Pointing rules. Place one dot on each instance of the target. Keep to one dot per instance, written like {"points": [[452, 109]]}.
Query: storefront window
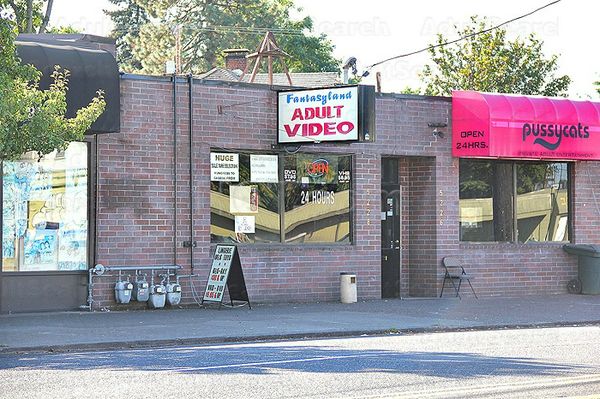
{"points": [[248, 190], [317, 198], [542, 201], [490, 191], [45, 211], [244, 208]]}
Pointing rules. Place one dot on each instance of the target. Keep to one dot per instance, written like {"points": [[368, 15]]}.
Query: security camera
{"points": [[350, 63], [438, 134]]}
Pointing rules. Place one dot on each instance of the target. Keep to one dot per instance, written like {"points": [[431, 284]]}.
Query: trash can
{"points": [[348, 293], [588, 261]]}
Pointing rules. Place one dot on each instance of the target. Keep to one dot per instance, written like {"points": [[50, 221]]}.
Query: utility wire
{"points": [[228, 28], [461, 38]]}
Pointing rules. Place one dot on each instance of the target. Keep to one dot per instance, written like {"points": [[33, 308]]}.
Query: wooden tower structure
{"points": [[270, 50]]}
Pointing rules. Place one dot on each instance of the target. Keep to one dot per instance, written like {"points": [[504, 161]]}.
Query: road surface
{"points": [[542, 363]]}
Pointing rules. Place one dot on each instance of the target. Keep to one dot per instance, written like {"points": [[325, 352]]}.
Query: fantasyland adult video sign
{"points": [[318, 115]]}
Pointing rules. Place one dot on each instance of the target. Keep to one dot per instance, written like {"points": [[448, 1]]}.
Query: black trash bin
{"points": [[588, 257]]}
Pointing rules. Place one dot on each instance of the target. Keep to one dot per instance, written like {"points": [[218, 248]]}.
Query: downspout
{"points": [[190, 137], [92, 191], [175, 168], [96, 191]]}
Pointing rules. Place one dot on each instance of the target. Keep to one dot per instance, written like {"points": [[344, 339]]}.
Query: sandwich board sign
{"points": [[226, 271]]}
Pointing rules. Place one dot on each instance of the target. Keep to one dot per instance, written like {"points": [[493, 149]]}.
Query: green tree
{"points": [[146, 37], [490, 62], [128, 19], [32, 119], [597, 86], [63, 30], [31, 16], [410, 90]]}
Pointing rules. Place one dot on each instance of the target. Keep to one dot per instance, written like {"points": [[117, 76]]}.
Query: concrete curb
{"points": [[124, 345]]}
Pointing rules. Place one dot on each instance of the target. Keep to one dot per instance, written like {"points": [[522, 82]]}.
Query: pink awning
{"points": [[509, 126]]}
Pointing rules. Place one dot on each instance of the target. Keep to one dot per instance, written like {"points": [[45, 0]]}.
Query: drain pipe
{"points": [[191, 187], [191, 173], [94, 255], [175, 168]]}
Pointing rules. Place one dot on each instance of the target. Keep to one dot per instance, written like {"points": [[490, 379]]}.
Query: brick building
{"points": [[136, 194], [406, 204]]}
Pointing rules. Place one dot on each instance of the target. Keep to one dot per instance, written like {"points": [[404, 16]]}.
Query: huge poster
{"points": [[224, 166]]}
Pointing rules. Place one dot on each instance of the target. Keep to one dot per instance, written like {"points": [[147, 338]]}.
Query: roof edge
{"points": [[210, 82]]}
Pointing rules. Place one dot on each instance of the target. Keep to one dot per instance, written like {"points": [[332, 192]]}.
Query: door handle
{"points": [[384, 257]]}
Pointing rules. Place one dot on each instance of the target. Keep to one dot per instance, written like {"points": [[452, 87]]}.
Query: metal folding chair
{"points": [[455, 271]]}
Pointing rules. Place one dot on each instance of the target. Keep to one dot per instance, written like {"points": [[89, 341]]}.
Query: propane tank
{"points": [[173, 294], [123, 291], [141, 290], [157, 296]]}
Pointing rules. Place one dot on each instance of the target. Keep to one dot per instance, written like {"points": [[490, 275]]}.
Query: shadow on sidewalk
{"points": [[244, 359]]}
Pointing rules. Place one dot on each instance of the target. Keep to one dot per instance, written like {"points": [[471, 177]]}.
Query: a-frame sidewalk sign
{"points": [[226, 270]]}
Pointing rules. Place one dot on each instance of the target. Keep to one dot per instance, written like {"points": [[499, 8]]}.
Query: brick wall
{"points": [[422, 234], [136, 197]]}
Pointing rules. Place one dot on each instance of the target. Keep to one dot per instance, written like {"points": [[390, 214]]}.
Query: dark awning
{"points": [[90, 69]]}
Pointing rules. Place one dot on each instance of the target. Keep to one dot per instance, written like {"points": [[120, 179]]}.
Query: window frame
{"points": [[281, 199], [515, 231], [91, 144]]}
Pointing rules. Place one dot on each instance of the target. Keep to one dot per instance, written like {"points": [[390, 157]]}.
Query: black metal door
{"points": [[390, 240]]}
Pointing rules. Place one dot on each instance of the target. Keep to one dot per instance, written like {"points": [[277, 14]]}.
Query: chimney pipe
{"points": [[236, 59]]}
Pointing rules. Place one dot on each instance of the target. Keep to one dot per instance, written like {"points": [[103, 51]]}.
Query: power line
{"points": [[229, 28], [462, 37]]}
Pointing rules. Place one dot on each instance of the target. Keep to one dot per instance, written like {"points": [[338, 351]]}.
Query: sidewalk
{"points": [[100, 330]]}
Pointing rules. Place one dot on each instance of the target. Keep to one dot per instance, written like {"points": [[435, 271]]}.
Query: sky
{"points": [[377, 29]]}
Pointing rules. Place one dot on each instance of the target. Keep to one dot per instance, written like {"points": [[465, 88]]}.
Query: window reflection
{"points": [[224, 208], [45, 224], [314, 192], [476, 201], [542, 202], [488, 197], [317, 198]]}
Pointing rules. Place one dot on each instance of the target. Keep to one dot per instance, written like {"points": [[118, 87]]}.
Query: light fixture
{"points": [[437, 124], [437, 133]]}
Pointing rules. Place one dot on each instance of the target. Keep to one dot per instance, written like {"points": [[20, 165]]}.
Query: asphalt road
{"points": [[551, 362]]}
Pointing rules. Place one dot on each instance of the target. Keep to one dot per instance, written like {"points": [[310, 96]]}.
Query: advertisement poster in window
{"points": [[243, 199], [245, 224], [224, 167], [72, 250], [263, 169], [40, 250]]}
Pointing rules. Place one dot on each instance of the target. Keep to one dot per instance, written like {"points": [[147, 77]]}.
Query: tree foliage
{"points": [[32, 119], [146, 33], [490, 62], [128, 18], [31, 16]]}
